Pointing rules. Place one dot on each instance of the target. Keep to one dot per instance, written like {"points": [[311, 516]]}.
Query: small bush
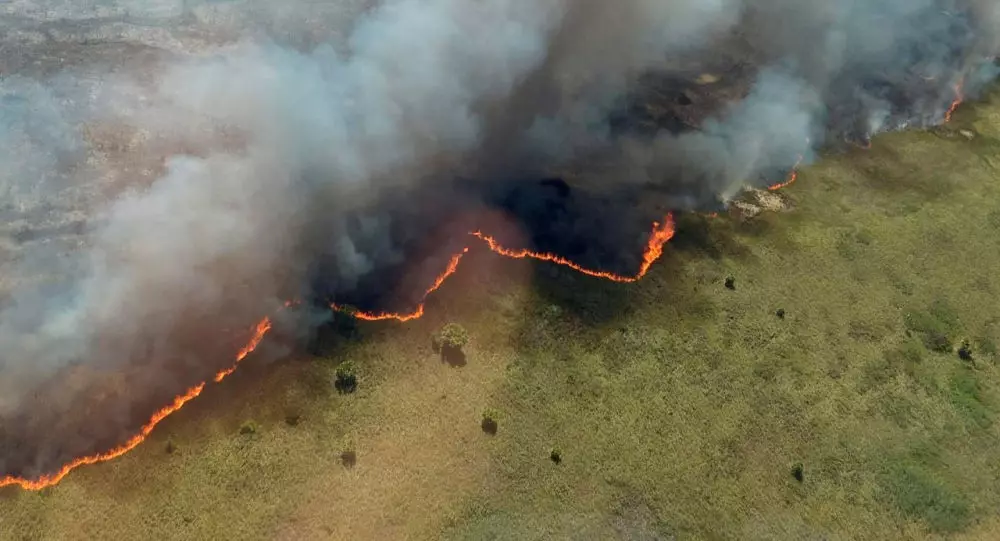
{"points": [[453, 336], [248, 427], [731, 283], [348, 459], [780, 313], [449, 342], [555, 455], [346, 380], [965, 351], [490, 421], [798, 472]]}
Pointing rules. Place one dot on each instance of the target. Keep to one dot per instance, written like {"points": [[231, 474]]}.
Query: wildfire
{"points": [[259, 331], [959, 97], [419, 311], [133, 442], [661, 234], [48, 480], [792, 177], [654, 249]]}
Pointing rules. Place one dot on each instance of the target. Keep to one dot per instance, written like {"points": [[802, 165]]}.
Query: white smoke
{"points": [[172, 168]]}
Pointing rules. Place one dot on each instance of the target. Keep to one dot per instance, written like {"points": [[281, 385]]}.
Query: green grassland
{"points": [[680, 408]]}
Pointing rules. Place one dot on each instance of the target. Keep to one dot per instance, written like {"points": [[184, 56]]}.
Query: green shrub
{"points": [[965, 351], [919, 494], [346, 380], [966, 394], [490, 422], [798, 472], [453, 336], [555, 455], [248, 427]]}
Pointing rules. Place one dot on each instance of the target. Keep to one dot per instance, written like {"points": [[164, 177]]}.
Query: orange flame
{"points": [[133, 442], [419, 311], [48, 480], [792, 177], [661, 234], [259, 331], [959, 97]]}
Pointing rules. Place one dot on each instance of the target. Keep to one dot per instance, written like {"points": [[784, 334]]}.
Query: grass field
{"points": [[680, 408]]}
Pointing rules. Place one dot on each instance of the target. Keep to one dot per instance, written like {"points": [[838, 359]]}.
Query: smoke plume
{"points": [[176, 170]]}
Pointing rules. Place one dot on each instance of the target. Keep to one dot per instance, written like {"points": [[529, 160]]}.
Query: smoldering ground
{"points": [[176, 170]]}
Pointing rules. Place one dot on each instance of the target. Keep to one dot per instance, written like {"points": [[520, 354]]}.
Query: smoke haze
{"points": [[175, 170]]}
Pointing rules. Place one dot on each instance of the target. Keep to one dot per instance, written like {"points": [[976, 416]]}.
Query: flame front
{"points": [[50, 479], [654, 249], [419, 311], [259, 331], [661, 234]]}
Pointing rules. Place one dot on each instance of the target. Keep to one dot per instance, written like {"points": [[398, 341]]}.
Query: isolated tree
{"points": [[453, 336], [449, 341]]}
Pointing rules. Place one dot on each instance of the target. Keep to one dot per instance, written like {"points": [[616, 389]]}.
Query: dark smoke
{"points": [[174, 170]]}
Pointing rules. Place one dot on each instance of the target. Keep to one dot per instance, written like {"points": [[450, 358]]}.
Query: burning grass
{"points": [[689, 398]]}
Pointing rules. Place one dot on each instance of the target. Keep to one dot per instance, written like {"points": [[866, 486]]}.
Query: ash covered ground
{"points": [[176, 170]]}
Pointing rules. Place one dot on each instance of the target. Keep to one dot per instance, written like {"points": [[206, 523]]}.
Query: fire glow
{"points": [[661, 234], [959, 97], [48, 480], [419, 311]]}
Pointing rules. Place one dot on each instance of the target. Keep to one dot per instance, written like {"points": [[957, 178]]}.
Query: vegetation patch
{"points": [[967, 396], [490, 422], [937, 326], [919, 494], [346, 377], [450, 341]]}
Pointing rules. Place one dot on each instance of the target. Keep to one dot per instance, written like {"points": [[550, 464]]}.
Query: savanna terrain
{"points": [[821, 396]]}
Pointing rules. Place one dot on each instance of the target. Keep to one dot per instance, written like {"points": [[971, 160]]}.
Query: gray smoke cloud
{"points": [[175, 170]]}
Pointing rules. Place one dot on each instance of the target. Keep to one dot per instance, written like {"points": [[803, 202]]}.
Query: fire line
{"points": [[419, 311], [661, 234], [51, 479]]}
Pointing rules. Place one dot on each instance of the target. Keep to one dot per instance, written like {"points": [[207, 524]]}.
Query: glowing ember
{"points": [[51, 479], [654, 249], [419, 311]]}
